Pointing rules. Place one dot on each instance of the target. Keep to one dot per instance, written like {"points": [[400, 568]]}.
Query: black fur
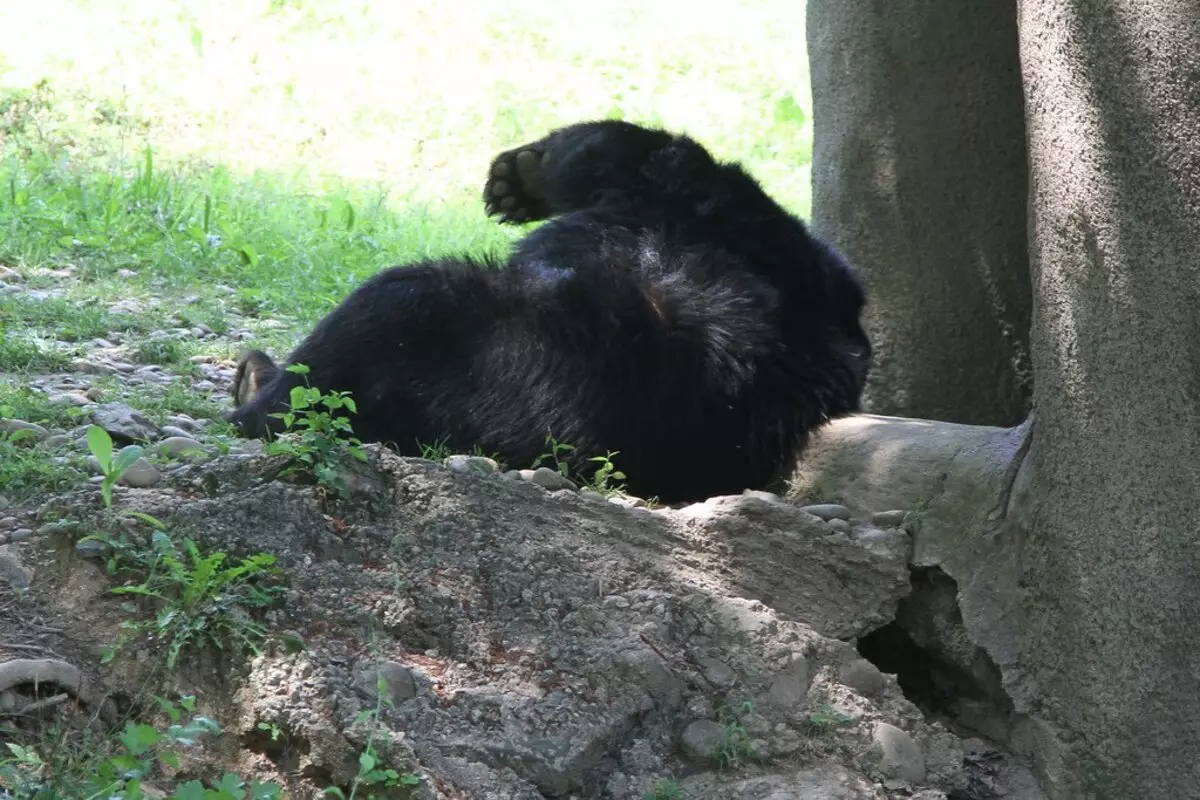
{"points": [[670, 310]]}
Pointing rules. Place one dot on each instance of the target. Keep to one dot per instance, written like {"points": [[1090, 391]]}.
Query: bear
{"points": [[667, 312]]}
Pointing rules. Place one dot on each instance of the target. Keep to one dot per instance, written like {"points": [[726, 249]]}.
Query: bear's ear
{"points": [[255, 369]]}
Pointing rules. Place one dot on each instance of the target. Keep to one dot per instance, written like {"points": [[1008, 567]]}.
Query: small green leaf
{"points": [[100, 443]]}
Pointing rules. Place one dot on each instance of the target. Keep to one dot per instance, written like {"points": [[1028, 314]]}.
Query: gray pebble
{"points": [[702, 738], [828, 511], [204, 386], [68, 399], [184, 422], [36, 433], [91, 548], [93, 367], [897, 754], [8, 523], [95, 394], [56, 441], [464, 464], [180, 447], [766, 497], [627, 502], [839, 525], [549, 479], [141, 474], [888, 519], [20, 534]]}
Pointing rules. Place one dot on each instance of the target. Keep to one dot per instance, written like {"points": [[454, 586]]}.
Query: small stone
{"points": [[8, 702], [123, 423], [179, 447], [471, 464], [8, 523], [888, 519], [126, 273], [512, 474], [551, 480], [615, 601], [95, 394], [141, 475], [35, 432], [897, 754], [93, 367], [702, 738], [627, 502], [10, 275], [789, 687], [68, 399], [766, 497], [12, 570], [173, 432], [400, 683], [828, 511], [204, 386], [91, 548], [863, 677], [839, 525], [718, 673], [20, 534]]}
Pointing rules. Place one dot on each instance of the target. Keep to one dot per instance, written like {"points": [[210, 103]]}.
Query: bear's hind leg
{"points": [[587, 165]]}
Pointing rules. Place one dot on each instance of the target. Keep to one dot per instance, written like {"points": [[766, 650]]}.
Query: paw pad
{"points": [[513, 190]]}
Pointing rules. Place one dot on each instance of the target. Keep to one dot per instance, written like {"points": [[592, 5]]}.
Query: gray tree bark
{"points": [[1112, 559], [1073, 537], [919, 177]]}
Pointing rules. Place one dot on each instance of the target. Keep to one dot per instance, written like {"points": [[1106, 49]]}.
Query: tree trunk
{"points": [[1072, 539], [919, 177], [1112, 559]]}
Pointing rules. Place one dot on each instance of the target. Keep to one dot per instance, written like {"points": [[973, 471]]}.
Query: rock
{"points": [[839, 525], [185, 423], [93, 367], [179, 447], [124, 424], [716, 672], [550, 480], [141, 475], [8, 523], [10, 275], [68, 399], [701, 739], [91, 548], [204, 386], [471, 464], [766, 497], [863, 677], [888, 519], [789, 687], [13, 571], [30, 432], [827, 511], [20, 534], [897, 755], [95, 394], [173, 432], [56, 441], [399, 678]]}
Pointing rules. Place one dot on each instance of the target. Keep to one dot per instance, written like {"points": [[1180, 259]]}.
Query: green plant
{"points": [[825, 719], [101, 446], [438, 451], [607, 479], [117, 768], [316, 436], [198, 599], [735, 746], [664, 789], [370, 775], [558, 454]]}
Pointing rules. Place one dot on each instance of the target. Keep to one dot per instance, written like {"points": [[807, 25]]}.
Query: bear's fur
{"points": [[669, 311]]}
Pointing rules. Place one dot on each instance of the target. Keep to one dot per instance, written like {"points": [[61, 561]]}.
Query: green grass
{"points": [[286, 149]]}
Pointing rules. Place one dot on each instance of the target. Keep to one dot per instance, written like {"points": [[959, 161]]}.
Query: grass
{"points": [[233, 164]]}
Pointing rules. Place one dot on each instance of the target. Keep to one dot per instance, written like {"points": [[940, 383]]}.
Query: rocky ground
{"points": [[536, 639]]}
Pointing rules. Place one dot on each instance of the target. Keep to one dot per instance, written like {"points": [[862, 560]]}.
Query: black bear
{"points": [[669, 311]]}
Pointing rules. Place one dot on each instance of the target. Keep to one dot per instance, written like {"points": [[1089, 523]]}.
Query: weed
{"points": [[438, 451], [664, 789], [22, 353], [158, 351], [101, 446], [370, 776], [116, 768], [317, 437], [197, 599], [606, 479], [735, 746], [825, 719]]}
